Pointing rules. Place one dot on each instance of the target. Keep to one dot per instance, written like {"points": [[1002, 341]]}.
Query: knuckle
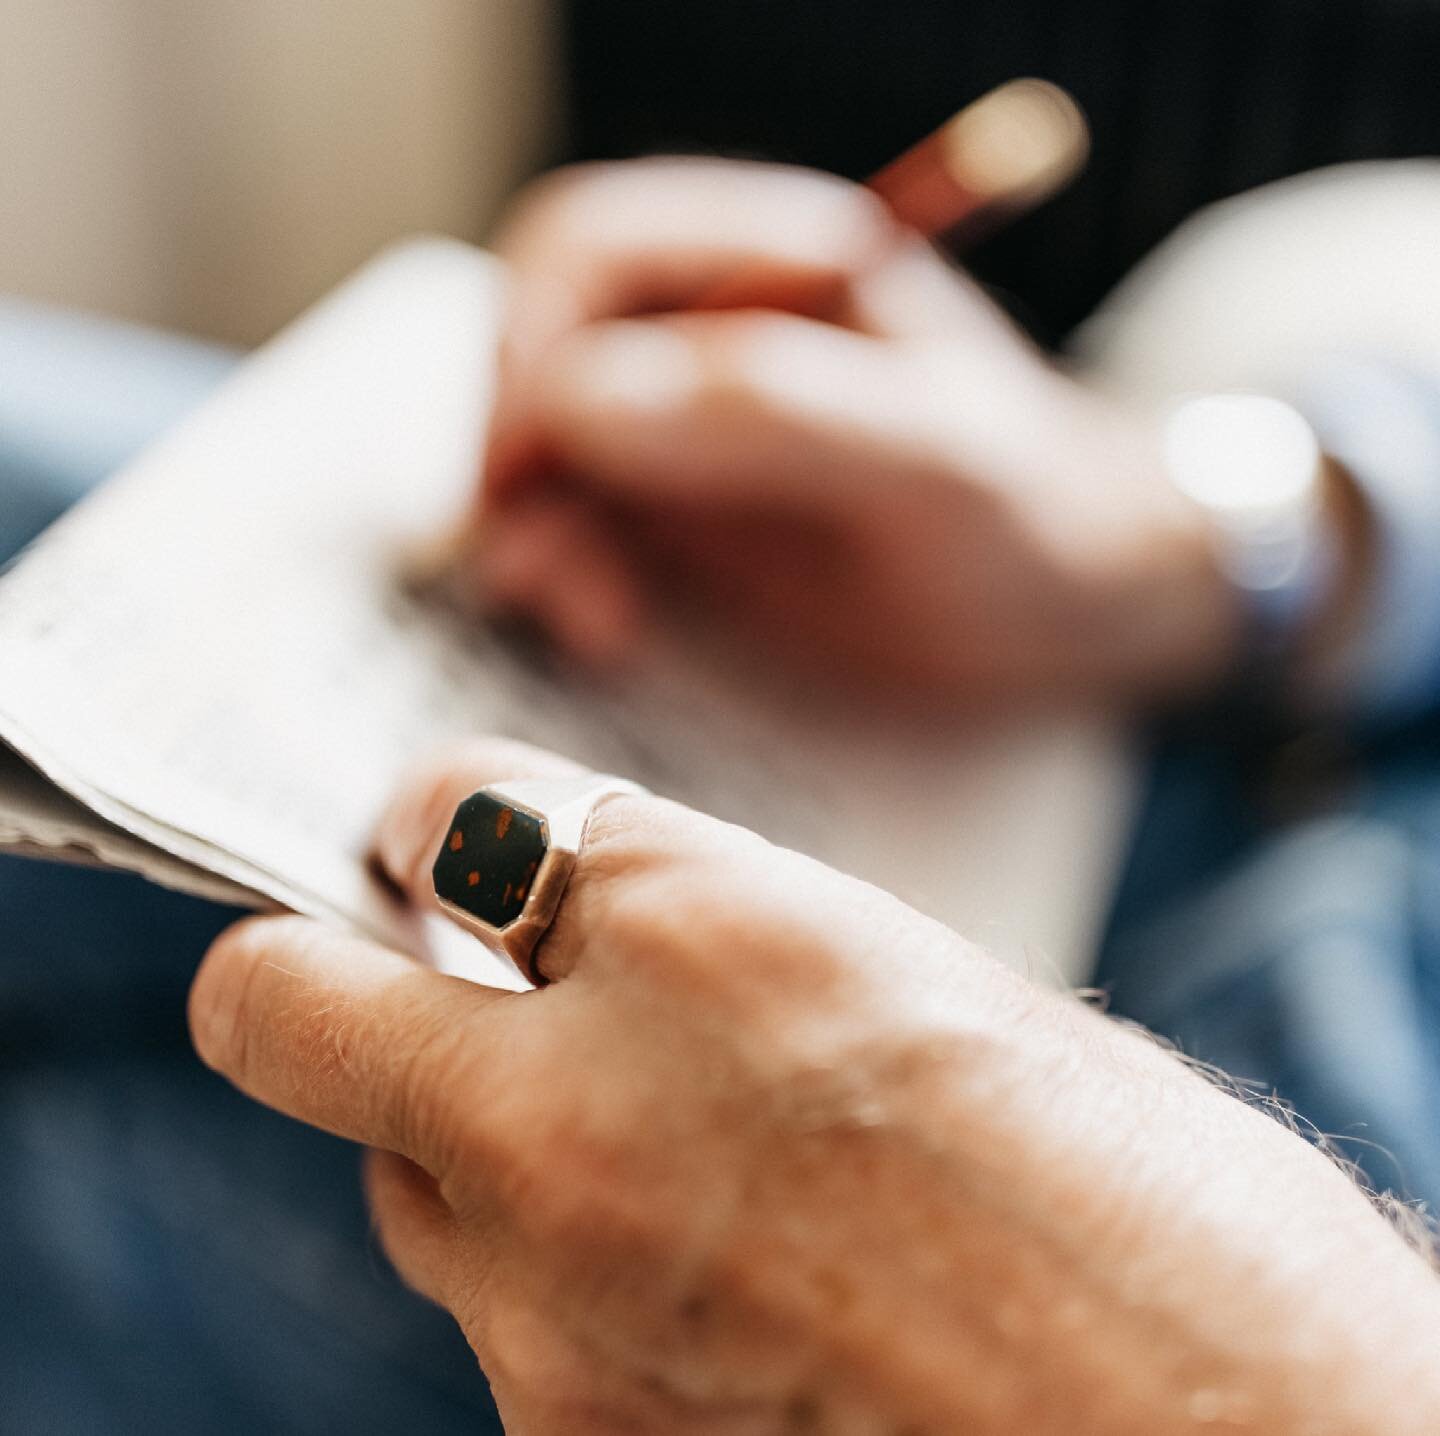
{"points": [[684, 900], [826, 217], [435, 1093], [735, 931], [871, 210], [659, 916], [697, 922], [633, 844], [586, 1185], [847, 207], [752, 361], [421, 1101]]}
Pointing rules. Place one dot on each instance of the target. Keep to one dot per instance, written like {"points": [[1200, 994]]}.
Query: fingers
{"points": [[557, 558], [414, 1223], [601, 241], [682, 425], [724, 407], [345, 1035]]}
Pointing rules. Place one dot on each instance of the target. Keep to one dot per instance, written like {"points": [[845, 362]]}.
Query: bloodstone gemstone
{"points": [[489, 859]]}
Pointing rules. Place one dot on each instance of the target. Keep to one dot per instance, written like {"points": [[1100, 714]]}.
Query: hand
{"points": [[773, 1153], [883, 484]]}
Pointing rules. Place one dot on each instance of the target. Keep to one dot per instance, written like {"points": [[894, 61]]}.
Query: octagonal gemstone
{"points": [[489, 859]]}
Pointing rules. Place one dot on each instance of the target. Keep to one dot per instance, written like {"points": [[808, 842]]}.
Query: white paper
{"points": [[216, 656]]}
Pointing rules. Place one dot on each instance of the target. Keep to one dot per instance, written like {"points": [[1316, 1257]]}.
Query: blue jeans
{"points": [[1285, 927], [173, 1258]]}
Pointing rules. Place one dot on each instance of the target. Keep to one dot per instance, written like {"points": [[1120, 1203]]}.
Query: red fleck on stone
{"points": [[502, 821]]}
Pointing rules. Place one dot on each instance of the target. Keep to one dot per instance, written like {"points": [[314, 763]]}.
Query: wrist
{"points": [[1223, 1270], [1044, 1222], [1241, 544], [1155, 617]]}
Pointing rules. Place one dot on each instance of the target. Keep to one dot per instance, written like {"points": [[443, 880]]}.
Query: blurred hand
{"points": [[859, 467], [773, 1153]]}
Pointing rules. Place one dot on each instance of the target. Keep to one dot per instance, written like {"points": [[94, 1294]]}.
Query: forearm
{"points": [[1142, 1253], [1239, 1278]]}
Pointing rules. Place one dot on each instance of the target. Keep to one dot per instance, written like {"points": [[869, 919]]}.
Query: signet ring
{"points": [[508, 854]]}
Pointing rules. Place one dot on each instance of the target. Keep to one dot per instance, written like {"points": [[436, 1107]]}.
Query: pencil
{"points": [[991, 162], [999, 157]]}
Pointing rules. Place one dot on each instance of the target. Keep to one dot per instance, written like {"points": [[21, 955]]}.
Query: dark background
{"points": [[1189, 100]]}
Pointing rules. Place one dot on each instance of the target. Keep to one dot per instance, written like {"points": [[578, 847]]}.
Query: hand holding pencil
{"points": [[757, 396]]}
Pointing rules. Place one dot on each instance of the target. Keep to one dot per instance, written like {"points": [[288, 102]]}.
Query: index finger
{"points": [[612, 240], [344, 1034]]}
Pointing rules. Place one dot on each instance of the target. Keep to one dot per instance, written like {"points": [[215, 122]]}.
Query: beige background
{"points": [[213, 165]]}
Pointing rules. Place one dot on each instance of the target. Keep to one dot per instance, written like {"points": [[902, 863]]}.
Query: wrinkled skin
{"points": [[774, 1153]]}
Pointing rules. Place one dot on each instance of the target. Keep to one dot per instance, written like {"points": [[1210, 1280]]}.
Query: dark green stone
{"points": [[489, 859]]}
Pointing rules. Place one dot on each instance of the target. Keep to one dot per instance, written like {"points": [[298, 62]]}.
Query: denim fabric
{"points": [[1281, 917], [173, 1258], [78, 398], [1300, 953]]}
